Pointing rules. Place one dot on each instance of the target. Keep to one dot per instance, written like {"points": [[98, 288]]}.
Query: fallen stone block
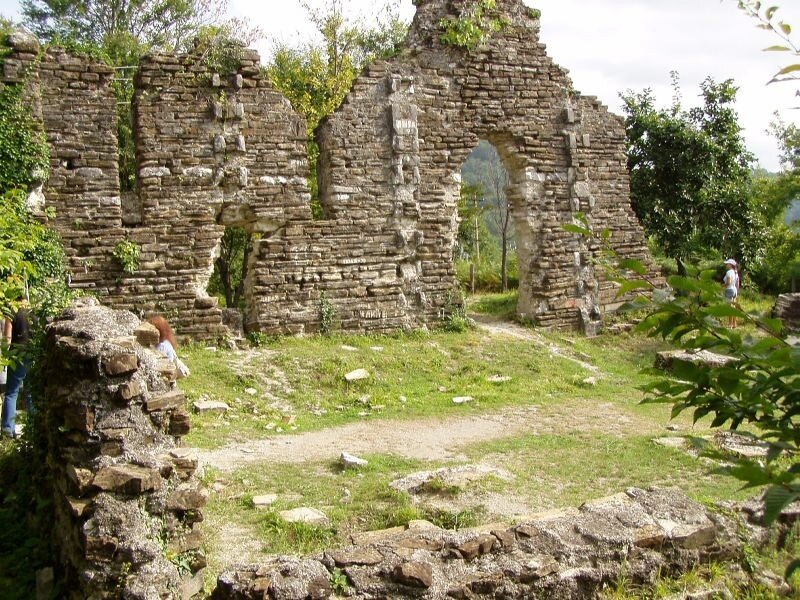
{"points": [[311, 516], [207, 406]]}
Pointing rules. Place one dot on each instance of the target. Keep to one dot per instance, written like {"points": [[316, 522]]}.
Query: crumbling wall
{"points": [[569, 554], [126, 497], [217, 148]]}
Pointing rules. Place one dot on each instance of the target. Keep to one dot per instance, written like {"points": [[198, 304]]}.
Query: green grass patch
{"points": [[502, 306], [298, 384], [354, 500], [567, 470]]}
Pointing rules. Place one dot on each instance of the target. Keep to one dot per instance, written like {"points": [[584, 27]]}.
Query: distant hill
{"points": [[793, 213]]}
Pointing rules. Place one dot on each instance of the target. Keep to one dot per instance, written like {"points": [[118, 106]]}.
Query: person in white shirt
{"points": [[730, 284]]}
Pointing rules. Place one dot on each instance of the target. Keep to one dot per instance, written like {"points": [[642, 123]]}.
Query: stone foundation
{"points": [[562, 555]]}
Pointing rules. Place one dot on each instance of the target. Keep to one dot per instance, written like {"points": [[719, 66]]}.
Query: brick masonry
{"points": [[216, 149]]}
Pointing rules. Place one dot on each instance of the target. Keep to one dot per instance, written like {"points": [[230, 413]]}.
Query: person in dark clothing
{"points": [[16, 334]]}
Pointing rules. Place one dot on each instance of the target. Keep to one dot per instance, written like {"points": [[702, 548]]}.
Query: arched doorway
{"points": [[486, 238]]}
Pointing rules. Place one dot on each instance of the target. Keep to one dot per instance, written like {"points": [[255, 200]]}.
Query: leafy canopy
{"points": [[691, 173], [316, 76]]}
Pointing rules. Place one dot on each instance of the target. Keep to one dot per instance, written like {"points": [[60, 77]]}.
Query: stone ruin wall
{"points": [[126, 498], [216, 150], [127, 505]]}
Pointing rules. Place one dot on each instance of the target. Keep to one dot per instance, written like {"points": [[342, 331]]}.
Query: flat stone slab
{"points": [[356, 375], [264, 500], [462, 399], [740, 445], [448, 477], [672, 442], [311, 516], [665, 360], [352, 461], [203, 406]]}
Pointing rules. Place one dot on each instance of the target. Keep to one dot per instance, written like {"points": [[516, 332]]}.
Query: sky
{"points": [[610, 46]]}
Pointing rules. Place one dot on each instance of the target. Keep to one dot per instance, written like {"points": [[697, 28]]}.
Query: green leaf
{"points": [[790, 69], [793, 566], [774, 452], [633, 284], [634, 265], [751, 473], [775, 326], [776, 498], [777, 49], [572, 228], [724, 310]]}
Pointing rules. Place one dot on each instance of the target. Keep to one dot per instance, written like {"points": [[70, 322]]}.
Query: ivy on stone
{"points": [[24, 154]]}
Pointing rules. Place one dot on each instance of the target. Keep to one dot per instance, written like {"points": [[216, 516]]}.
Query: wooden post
{"points": [[472, 277]]}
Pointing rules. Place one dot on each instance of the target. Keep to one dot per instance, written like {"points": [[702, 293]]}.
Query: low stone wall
{"points": [[126, 498], [565, 554]]}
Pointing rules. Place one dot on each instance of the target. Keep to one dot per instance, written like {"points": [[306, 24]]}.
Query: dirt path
{"points": [[426, 439], [434, 439]]}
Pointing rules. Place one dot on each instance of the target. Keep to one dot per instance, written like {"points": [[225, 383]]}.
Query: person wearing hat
{"points": [[731, 284]]}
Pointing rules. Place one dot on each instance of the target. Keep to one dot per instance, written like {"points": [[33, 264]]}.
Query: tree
{"points": [[484, 168], [497, 178], [230, 268], [779, 262], [142, 25], [691, 174]]}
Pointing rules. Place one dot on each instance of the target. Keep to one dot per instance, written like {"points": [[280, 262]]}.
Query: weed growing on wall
{"points": [[326, 314], [476, 23], [24, 154], [127, 256]]}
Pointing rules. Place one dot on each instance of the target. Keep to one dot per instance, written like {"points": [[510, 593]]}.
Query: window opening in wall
{"points": [[485, 252], [123, 90], [230, 267]]}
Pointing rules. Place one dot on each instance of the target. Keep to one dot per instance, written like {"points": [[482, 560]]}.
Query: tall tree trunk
{"points": [[681, 266], [504, 262]]}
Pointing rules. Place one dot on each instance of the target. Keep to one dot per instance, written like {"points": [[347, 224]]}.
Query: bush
{"points": [[487, 274], [780, 263]]}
